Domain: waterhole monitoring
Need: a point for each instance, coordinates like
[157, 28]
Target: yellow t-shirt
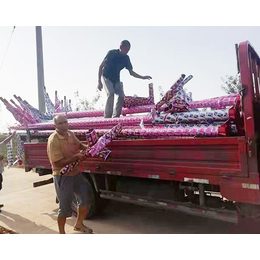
[59, 147]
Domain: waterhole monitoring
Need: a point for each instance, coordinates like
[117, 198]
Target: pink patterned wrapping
[96, 148]
[92, 138]
[100, 113]
[105, 139]
[48, 103]
[25, 113]
[79, 114]
[177, 105]
[95, 122]
[138, 109]
[193, 117]
[26, 109]
[170, 93]
[130, 101]
[217, 103]
[209, 130]
[18, 115]
[104, 153]
[58, 107]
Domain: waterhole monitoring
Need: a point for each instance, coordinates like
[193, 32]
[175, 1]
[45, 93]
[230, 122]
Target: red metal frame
[230, 162]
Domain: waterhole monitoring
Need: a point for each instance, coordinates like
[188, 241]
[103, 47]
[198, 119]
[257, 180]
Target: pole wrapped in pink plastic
[97, 148]
[105, 139]
[131, 101]
[199, 117]
[170, 93]
[100, 113]
[18, 115]
[216, 103]
[95, 122]
[58, 106]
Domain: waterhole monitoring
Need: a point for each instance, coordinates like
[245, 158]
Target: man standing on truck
[110, 68]
[64, 148]
[5, 141]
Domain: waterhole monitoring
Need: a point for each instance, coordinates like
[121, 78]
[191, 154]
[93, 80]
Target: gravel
[6, 231]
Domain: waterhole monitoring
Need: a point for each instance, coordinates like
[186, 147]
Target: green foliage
[232, 85]
[82, 104]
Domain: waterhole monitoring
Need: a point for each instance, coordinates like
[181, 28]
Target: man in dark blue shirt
[110, 68]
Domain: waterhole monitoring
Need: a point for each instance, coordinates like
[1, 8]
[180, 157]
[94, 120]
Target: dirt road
[29, 210]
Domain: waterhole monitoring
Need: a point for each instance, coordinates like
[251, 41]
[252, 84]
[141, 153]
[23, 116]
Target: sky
[72, 55]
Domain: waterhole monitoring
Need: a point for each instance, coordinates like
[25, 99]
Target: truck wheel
[248, 218]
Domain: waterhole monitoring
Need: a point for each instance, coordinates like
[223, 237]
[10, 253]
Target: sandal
[84, 229]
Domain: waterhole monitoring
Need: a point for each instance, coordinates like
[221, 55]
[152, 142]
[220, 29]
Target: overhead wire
[7, 48]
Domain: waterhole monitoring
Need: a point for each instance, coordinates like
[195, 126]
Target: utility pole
[238, 67]
[40, 72]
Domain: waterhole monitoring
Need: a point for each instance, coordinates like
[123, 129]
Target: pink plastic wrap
[58, 105]
[18, 115]
[199, 117]
[28, 116]
[177, 105]
[130, 101]
[216, 103]
[100, 113]
[170, 93]
[79, 114]
[96, 148]
[138, 109]
[105, 139]
[95, 122]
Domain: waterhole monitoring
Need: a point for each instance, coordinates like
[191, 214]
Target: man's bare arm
[134, 74]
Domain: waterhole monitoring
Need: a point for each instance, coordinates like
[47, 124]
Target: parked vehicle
[216, 177]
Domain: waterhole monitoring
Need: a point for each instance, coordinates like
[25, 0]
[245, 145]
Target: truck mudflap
[245, 191]
[188, 208]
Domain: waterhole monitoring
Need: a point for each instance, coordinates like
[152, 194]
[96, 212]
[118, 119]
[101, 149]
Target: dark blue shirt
[115, 62]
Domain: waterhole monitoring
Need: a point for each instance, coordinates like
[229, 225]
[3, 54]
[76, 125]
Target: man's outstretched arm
[134, 74]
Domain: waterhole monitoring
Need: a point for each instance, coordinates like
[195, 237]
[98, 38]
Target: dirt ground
[29, 210]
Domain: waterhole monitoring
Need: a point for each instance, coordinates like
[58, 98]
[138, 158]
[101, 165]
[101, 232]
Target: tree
[161, 92]
[82, 104]
[232, 85]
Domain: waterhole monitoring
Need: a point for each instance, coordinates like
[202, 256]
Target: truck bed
[207, 159]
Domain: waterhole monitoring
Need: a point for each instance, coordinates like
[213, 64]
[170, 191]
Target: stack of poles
[220, 121]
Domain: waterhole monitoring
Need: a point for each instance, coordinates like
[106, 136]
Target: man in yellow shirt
[64, 148]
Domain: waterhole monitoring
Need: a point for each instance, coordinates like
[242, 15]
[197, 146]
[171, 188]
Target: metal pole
[201, 194]
[238, 67]
[41, 101]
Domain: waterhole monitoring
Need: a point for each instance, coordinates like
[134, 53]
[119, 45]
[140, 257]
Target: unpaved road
[31, 210]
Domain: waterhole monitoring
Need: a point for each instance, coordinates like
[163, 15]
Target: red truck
[214, 177]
